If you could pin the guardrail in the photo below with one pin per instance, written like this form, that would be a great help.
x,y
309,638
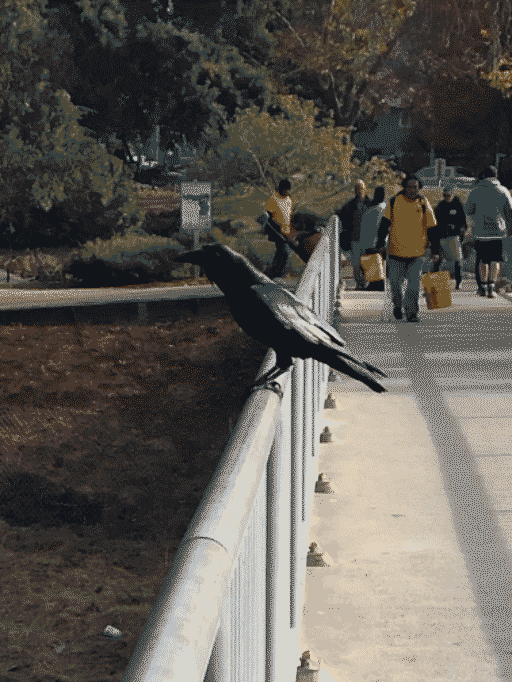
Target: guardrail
x,y
230,608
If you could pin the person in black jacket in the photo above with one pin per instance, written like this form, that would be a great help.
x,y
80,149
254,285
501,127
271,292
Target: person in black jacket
x,y
350,216
447,236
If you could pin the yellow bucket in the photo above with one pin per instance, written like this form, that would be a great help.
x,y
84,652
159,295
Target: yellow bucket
x,y
373,267
438,289
439,298
436,280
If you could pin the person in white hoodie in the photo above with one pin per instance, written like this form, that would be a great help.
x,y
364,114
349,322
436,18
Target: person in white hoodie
x,y
488,211
369,228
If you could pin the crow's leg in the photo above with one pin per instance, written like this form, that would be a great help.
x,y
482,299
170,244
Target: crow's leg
x,y
267,380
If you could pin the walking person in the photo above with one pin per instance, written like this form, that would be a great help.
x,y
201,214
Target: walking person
x,y
446,238
369,229
280,207
350,216
407,219
489,214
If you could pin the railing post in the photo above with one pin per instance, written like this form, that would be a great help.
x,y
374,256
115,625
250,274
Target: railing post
x,y
219,666
280,637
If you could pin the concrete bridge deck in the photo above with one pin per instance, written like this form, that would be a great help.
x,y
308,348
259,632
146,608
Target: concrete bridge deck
x,y
418,530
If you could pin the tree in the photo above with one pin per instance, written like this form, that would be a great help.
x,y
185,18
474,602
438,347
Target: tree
x,y
140,72
317,51
48,161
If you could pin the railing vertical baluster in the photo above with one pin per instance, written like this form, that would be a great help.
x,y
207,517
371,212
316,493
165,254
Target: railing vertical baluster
x,y
317,294
279,634
247,650
295,497
235,620
309,414
260,593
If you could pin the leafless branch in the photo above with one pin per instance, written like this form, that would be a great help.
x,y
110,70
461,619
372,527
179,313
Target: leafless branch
x,y
328,20
260,169
281,16
255,186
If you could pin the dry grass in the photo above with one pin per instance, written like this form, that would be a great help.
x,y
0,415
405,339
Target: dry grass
x,y
108,437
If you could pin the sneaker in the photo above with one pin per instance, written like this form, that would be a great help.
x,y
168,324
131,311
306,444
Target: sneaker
x,y
482,292
397,312
491,293
413,318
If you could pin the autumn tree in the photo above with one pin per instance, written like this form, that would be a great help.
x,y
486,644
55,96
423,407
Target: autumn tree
x,y
437,65
320,51
259,149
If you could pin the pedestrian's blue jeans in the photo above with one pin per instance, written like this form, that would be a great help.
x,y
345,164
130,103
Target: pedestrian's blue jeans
x,y
356,251
399,271
278,265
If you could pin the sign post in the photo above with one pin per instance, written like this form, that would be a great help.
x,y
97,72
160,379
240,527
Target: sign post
x,y
196,211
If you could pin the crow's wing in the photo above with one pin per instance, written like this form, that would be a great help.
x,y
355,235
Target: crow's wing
x,y
294,315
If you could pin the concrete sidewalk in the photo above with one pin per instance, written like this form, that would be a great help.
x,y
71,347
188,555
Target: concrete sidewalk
x,y
418,530
27,299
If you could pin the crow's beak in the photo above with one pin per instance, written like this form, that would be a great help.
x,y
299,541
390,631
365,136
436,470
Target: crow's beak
x,y
196,257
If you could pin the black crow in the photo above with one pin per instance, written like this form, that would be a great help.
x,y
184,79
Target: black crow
x,y
275,317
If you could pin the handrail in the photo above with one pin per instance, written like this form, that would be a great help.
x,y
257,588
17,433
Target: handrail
x,y
222,596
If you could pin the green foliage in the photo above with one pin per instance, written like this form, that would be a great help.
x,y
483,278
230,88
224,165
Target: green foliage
x,y
141,72
49,165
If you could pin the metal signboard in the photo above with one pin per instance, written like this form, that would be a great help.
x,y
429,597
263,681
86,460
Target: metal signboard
x,y
196,207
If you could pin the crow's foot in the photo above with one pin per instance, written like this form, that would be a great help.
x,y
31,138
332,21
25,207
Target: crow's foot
x,y
265,385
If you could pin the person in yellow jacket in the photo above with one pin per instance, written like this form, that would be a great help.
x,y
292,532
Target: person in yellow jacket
x,y
280,208
407,219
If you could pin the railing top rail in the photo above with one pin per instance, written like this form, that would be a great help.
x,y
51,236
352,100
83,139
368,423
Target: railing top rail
x,y
306,282
181,630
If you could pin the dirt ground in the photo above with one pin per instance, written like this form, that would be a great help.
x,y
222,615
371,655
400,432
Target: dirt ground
x,y
108,437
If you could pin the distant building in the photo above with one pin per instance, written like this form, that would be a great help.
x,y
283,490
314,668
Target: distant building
x,y
389,136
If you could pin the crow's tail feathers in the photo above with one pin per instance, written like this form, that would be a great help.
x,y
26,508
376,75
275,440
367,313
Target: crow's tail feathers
x,y
374,370
361,371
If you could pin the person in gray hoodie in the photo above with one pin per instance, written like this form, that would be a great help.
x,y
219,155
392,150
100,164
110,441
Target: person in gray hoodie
x,y
488,212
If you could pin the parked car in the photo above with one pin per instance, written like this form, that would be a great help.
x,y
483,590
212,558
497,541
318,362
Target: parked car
x,y
431,177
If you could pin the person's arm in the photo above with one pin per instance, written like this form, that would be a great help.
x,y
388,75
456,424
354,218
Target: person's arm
x,y
433,233
382,232
271,207
434,239
508,212
384,227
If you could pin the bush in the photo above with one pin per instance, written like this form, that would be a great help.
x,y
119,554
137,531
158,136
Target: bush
x,y
134,258
165,224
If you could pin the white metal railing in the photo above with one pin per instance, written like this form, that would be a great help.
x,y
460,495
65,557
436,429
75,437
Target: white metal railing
x,y
230,608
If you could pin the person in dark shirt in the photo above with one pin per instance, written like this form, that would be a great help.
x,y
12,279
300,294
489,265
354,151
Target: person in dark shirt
x,y
350,216
446,238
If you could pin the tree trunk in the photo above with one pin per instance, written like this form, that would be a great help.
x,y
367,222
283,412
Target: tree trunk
x,y
127,149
